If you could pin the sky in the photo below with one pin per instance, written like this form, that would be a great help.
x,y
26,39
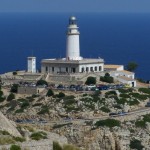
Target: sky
x,y
75,6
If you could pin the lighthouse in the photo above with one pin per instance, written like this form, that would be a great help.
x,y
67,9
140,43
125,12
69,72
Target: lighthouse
x,y
73,43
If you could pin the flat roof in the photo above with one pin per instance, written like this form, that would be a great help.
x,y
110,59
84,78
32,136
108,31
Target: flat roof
x,y
113,66
64,61
127,72
126,78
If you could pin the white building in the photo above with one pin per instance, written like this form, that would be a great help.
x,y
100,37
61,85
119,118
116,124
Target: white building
x,y
73,63
31,64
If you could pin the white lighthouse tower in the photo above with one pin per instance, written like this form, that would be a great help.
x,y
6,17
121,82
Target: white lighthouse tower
x,y
31,64
73,44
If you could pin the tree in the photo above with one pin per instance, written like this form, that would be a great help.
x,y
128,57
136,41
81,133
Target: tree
x,y
15,147
14,88
131,66
10,97
90,80
107,78
136,144
41,82
50,93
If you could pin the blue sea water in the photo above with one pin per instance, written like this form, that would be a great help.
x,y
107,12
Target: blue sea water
x,y
118,38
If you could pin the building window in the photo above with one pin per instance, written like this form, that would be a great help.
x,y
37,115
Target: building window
x,y
53,69
91,68
82,69
87,69
46,69
66,69
100,68
95,68
73,70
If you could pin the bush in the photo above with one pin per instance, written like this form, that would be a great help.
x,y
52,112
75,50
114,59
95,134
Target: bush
x,y
19,139
41,82
142,123
2,99
14,88
19,110
15,147
60,95
136,144
1,93
56,146
105,109
125,95
90,80
6,140
50,93
144,90
108,122
10,97
107,78
38,135
44,110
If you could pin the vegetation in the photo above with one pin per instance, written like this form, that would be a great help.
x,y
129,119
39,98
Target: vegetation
x,y
107,78
38,135
44,110
136,144
90,80
57,146
10,97
142,123
50,93
14,73
60,95
108,123
14,88
144,90
42,83
105,109
131,66
15,147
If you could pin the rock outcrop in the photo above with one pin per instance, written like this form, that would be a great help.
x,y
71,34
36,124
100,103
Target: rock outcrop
x,y
8,126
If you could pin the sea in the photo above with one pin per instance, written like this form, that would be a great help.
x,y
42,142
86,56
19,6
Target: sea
x,y
118,38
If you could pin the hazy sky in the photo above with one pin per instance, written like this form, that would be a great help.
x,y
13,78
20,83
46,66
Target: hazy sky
x,y
74,5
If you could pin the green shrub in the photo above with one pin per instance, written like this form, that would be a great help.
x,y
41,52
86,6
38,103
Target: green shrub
x,y
56,146
144,90
14,88
37,104
111,93
41,82
6,140
136,144
140,123
44,110
105,109
90,80
19,139
108,122
15,147
2,99
124,95
133,102
19,110
107,78
50,93
3,132
1,93
121,101
61,95
38,135
10,97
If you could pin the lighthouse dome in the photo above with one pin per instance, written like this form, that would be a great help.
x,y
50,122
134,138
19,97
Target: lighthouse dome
x,y
72,20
